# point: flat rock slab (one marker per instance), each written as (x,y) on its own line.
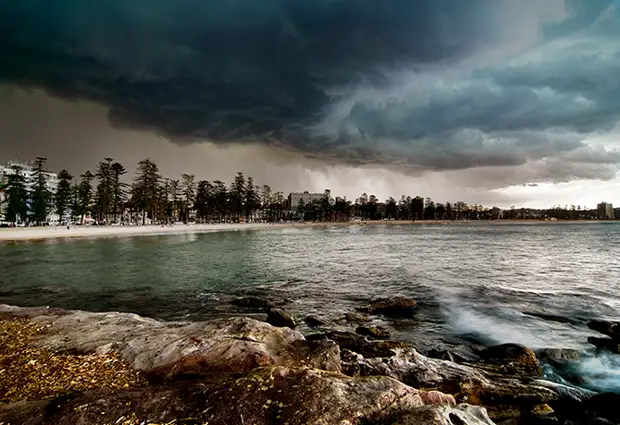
(161,349)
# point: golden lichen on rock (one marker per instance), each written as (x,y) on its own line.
(28,372)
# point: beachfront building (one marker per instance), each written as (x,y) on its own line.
(605,211)
(29,173)
(296,198)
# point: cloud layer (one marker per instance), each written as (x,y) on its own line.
(417,84)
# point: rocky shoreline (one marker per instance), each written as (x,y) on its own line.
(245,371)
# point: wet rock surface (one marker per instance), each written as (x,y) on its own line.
(397,306)
(607,344)
(512,358)
(356,317)
(558,355)
(606,327)
(612,331)
(281,318)
(373,331)
(315,321)
(253,302)
(360,344)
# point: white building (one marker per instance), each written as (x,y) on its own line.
(605,211)
(295,198)
(29,173)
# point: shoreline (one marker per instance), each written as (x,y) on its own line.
(44,233)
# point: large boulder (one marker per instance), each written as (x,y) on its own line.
(160,349)
(396,306)
(267,396)
(512,358)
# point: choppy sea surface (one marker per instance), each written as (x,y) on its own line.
(534,284)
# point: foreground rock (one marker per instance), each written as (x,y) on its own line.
(242,371)
(504,395)
(397,306)
(273,395)
(168,350)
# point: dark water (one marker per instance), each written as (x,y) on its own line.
(483,283)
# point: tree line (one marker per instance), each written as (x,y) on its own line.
(107,198)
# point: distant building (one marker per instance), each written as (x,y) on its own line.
(605,211)
(29,173)
(295,198)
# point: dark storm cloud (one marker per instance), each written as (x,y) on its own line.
(358,81)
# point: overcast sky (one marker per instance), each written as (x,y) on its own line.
(498,102)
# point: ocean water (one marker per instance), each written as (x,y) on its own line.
(534,284)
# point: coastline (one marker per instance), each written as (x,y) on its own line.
(44,233)
(240,370)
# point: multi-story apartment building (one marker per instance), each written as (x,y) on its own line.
(29,173)
(605,211)
(295,198)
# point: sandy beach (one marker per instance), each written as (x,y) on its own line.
(34,233)
(41,233)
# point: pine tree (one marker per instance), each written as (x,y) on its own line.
(16,196)
(64,193)
(84,195)
(75,203)
(104,201)
(221,198)
(118,188)
(41,196)
(144,192)
(189,193)
(174,186)
(237,195)
(202,204)
(267,201)
(252,201)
